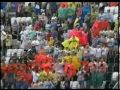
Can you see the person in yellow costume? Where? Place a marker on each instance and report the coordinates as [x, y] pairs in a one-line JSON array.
[[42, 75], [74, 42], [51, 42], [56, 77], [50, 75], [67, 58], [76, 60], [116, 25], [65, 43], [71, 43]]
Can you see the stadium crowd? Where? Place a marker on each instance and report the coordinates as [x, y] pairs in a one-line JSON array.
[[58, 45]]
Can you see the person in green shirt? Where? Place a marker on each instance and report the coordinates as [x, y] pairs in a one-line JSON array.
[[34, 18], [94, 15], [29, 9], [97, 79]]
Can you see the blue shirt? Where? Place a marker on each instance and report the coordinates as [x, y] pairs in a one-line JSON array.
[[48, 85], [85, 10], [108, 16], [3, 5]]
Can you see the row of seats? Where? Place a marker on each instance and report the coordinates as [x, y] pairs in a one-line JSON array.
[[21, 19], [10, 52]]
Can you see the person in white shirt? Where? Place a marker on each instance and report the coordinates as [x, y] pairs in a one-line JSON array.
[[105, 51], [109, 16], [22, 35], [74, 85], [62, 86], [98, 51], [3, 36], [58, 67], [92, 51], [35, 76]]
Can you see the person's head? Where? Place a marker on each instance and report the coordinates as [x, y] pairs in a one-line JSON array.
[[29, 4]]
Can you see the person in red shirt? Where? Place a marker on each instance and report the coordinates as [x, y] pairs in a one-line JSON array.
[[38, 25], [85, 65], [28, 77], [70, 70]]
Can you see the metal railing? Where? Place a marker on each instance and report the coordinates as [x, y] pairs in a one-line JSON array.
[[116, 86]]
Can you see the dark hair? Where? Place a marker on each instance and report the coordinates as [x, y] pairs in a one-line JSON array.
[[29, 4]]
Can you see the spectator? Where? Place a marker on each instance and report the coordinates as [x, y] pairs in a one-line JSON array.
[[8, 40], [72, 50]]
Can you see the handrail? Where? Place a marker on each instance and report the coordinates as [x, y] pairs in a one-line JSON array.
[[115, 85]]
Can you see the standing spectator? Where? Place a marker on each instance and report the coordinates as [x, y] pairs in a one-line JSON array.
[[37, 8], [8, 40], [53, 7], [80, 78], [74, 85], [48, 10], [28, 10], [3, 37], [67, 83], [87, 20], [20, 9], [87, 79], [14, 41], [94, 15], [48, 85]]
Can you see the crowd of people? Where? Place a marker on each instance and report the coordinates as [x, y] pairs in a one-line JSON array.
[[65, 45]]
